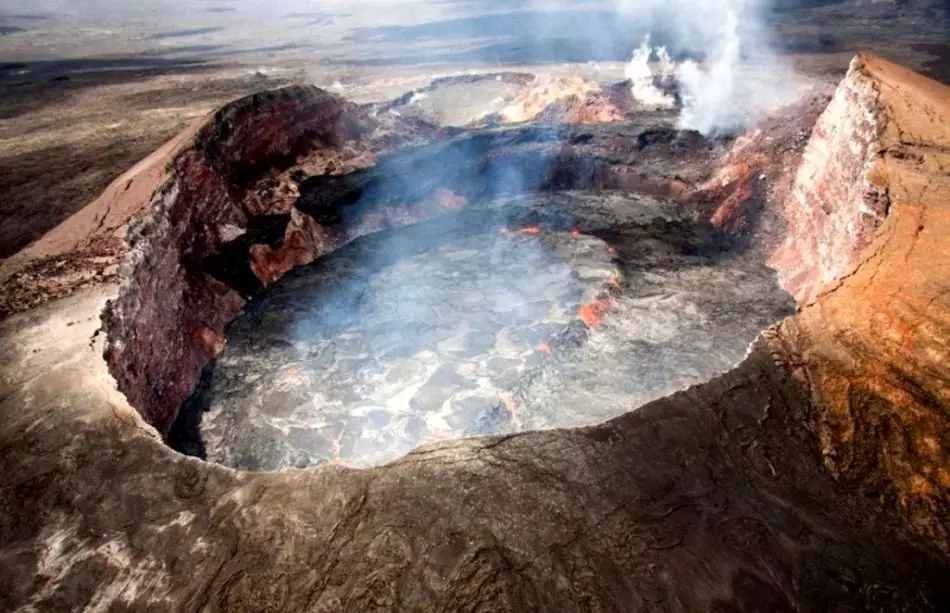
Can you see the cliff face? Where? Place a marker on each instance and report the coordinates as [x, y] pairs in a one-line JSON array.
[[838, 199], [872, 345], [813, 476]]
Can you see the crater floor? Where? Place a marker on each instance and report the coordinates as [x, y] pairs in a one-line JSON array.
[[477, 324]]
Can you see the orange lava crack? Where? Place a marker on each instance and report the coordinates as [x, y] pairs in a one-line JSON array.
[[592, 313], [530, 230], [512, 407]]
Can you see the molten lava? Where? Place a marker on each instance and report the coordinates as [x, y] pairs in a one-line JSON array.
[[450, 200], [512, 407], [592, 313], [532, 230], [545, 348]]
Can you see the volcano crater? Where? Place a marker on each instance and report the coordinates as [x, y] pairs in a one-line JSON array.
[[535, 311], [812, 475]]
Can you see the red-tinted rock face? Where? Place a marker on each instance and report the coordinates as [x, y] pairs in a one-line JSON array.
[[872, 343], [166, 311], [169, 317], [835, 204], [744, 195]]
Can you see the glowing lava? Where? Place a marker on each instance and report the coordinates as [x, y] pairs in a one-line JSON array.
[[592, 313], [450, 200], [512, 407], [530, 230]]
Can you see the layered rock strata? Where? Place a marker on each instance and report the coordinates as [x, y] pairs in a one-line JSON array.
[[872, 344], [838, 200]]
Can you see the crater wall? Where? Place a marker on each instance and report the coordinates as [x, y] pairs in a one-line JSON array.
[[838, 199], [872, 344]]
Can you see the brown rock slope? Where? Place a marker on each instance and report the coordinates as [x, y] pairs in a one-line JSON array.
[[872, 346], [811, 477]]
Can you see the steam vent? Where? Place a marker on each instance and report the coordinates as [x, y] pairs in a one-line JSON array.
[[314, 355]]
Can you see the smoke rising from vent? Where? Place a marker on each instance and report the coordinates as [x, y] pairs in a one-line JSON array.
[[709, 96], [718, 95], [642, 77]]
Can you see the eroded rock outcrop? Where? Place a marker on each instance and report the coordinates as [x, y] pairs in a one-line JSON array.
[[872, 345], [838, 199]]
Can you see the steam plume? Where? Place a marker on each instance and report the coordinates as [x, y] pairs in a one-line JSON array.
[[641, 76], [717, 96], [709, 96]]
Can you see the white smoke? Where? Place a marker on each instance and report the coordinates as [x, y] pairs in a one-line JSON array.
[[725, 91], [710, 96], [641, 75]]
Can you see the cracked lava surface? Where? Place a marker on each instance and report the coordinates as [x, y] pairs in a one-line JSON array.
[[464, 326]]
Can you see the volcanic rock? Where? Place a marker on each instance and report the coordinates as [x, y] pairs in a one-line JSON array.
[[872, 342], [842, 165], [562, 100], [203, 203]]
